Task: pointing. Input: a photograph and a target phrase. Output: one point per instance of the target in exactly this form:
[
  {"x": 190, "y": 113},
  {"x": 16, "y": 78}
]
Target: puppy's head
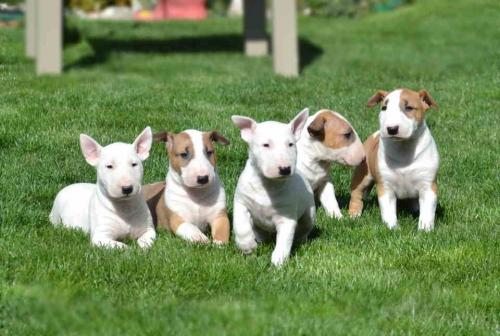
[
  {"x": 192, "y": 155},
  {"x": 335, "y": 139},
  {"x": 119, "y": 165},
  {"x": 271, "y": 144},
  {"x": 402, "y": 111}
]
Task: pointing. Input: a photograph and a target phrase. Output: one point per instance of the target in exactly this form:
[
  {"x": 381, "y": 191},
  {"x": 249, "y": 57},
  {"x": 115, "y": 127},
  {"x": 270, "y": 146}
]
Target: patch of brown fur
[
  {"x": 331, "y": 130},
  {"x": 220, "y": 228},
  {"x": 365, "y": 175},
  {"x": 180, "y": 143}
]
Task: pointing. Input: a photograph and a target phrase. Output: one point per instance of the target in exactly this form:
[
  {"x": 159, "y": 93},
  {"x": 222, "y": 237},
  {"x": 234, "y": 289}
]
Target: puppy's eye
[
  {"x": 290, "y": 144},
  {"x": 266, "y": 145},
  {"x": 134, "y": 164},
  {"x": 109, "y": 166},
  {"x": 209, "y": 153},
  {"x": 384, "y": 107},
  {"x": 184, "y": 155},
  {"x": 408, "y": 108},
  {"x": 348, "y": 135}
]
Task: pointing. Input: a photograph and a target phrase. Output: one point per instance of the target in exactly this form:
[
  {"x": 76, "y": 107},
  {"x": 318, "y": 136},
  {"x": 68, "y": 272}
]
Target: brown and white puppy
[
  {"x": 401, "y": 158},
  {"x": 193, "y": 197},
  {"x": 328, "y": 137}
]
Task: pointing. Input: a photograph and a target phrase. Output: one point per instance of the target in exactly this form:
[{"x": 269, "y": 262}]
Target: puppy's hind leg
[{"x": 361, "y": 184}]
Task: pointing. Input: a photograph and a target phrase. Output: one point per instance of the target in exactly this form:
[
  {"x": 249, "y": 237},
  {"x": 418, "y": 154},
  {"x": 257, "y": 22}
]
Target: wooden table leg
[
  {"x": 254, "y": 26},
  {"x": 49, "y": 33},
  {"x": 285, "y": 39}
]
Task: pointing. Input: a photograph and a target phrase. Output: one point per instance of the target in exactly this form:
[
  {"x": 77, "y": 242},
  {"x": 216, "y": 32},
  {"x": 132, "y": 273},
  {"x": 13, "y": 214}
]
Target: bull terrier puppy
[
  {"x": 327, "y": 138},
  {"x": 114, "y": 208},
  {"x": 401, "y": 158},
  {"x": 271, "y": 198},
  {"x": 193, "y": 196}
]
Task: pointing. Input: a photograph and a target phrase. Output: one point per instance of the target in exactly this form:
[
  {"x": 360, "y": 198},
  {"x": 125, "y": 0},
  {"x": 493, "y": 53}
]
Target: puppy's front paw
[
  {"x": 145, "y": 242},
  {"x": 392, "y": 225},
  {"x": 425, "y": 225},
  {"x": 247, "y": 245},
  {"x": 354, "y": 213},
  {"x": 191, "y": 233},
  {"x": 278, "y": 258}
]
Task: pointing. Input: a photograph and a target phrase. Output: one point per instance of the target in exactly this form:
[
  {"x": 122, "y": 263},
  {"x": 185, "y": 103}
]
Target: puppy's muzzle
[
  {"x": 285, "y": 171},
  {"x": 392, "y": 130},
  {"x": 202, "y": 179},
  {"x": 127, "y": 190}
]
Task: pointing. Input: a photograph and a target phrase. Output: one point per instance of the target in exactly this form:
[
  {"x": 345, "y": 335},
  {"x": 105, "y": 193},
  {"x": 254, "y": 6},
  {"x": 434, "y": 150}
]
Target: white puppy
[
  {"x": 114, "y": 208},
  {"x": 328, "y": 137},
  {"x": 193, "y": 197},
  {"x": 401, "y": 158},
  {"x": 271, "y": 198}
]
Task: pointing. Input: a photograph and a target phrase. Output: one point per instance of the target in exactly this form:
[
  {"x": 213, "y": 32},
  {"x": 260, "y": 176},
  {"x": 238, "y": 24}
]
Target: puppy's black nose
[
  {"x": 393, "y": 130},
  {"x": 202, "y": 179},
  {"x": 285, "y": 171},
  {"x": 127, "y": 190}
]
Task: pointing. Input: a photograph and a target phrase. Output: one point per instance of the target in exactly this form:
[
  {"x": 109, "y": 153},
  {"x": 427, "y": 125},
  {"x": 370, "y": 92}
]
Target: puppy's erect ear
[
  {"x": 427, "y": 100},
  {"x": 297, "y": 124},
  {"x": 376, "y": 98},
  {"x": 317, "y": 128},
  {"x": 246, "y": 125},
  {"x": 142, "y": 144},
  {"x": 91, "y": 149},
  {"x": 217, "y": 137}
]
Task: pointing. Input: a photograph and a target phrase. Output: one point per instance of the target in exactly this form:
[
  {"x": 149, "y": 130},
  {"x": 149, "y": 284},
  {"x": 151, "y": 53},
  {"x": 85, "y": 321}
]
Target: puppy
[
  {"x": 114, "y": 208},
  {"x": 328, "y": 137},
  {"x": 193, "y": 196},
  {"x": 401, "y": 158},
  {"x": 271, "y": 198}
]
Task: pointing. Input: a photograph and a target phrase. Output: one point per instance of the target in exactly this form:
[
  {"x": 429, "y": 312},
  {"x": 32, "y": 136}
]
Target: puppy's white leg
[
  {"x": 104, "y": 241},
  {"x": 428, "y": 202},
  {"x": 191, "y": 233},
  {"x": 284, "y": 240},
  {"x": 243, "y": 231},
  {"x": 329, "y": 202},
  {"x": 147, "y": 238},
  {"x": 387, "y": 203}
]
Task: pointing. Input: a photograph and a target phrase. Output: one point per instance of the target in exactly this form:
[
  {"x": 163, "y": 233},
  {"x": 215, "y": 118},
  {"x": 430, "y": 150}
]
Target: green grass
[{"x": 356, "y": 277}]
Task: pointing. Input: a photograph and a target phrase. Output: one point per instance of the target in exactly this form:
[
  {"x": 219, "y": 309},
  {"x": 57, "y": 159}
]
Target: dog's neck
[
  {"x": 197, "y": 195},
  {"x": 314, "y": 164},
  {"x": 123, "y": 206},
  {"x": 403, "y": 152}
]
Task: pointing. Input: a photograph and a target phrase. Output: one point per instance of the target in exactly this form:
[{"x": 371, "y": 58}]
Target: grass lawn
[{"x": 356, "y": 277}]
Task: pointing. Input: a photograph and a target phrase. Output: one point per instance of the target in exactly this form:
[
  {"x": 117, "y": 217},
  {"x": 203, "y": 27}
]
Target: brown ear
[
  {"x": 427, "y": 99},
  {"x": 217, "y": 137},
  {"x": 317, "y": 128},
  {"x": 376, "y": 98},
  {"x": 160, "y": 136}
]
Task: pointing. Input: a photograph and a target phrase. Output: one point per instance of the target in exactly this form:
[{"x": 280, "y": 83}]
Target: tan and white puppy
[
  {"x": 401, "y": 158},
  {"x": 327, "y": 138},
  {"x": 193, "y": 197},
  {"x": 114, "y": 208},
  {"x": 271, "y": 198}
]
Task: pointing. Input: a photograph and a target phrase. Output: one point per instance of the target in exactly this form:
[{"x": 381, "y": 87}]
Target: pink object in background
[{"x": 180, "y": 9}]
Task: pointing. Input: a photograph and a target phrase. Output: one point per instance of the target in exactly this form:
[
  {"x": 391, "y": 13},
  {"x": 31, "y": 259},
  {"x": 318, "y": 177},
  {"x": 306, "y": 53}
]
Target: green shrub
[{"x": 347, "y": 7}]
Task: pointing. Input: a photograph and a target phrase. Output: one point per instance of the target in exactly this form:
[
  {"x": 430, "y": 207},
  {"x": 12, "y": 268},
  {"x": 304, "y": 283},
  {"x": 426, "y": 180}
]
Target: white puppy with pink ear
[
  {"x": 113, "y": 208},
  {"x": 271, "y": 198}
]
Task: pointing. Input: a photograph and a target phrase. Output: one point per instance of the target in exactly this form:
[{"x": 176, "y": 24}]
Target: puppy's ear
[
  {"x": 317, "y": 128},
  {"x": 246, "y": 125},
  {"x": 427, "y": 100},
  {"x": 166, "y": 137},
  {"x": 91, "y": 149},
  {"x": 217, "y": 137},
  {"x": 142, "y": 144},
  {"x": 376, "y": 98},
  {"x": 298, "y": 123}
]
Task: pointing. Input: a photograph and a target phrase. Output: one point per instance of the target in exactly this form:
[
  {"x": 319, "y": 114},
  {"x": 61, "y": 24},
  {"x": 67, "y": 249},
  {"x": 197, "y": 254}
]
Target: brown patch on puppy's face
[
  {"x": 179, "y": 147},
  {"x": 208, "y": 142},
  {"x": 415, "y": 104},
  {"x": 334, "y": 131}
]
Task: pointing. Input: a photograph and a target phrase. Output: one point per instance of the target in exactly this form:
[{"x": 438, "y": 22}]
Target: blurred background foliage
[{"x": 332, "y": 8}]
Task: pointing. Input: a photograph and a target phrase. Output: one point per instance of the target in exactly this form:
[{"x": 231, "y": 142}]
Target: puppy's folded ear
[
  {"x": 161, "y": 136},
  {"x": 299, "y": 122},
  {"x": 376, "y": 98},
  {"x": 91, "y": 149},
  {"x": 246, "y": 126},
  {"x": 427, "y": 100},
  {"x": 217, "y": 137},
  {"x": 143, "y": 142},
  {"x": 317, "y": 128}
]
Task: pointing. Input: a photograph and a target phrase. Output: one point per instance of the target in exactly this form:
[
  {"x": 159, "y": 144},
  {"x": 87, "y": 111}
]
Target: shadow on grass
[{"x": 223, "y": 43}]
